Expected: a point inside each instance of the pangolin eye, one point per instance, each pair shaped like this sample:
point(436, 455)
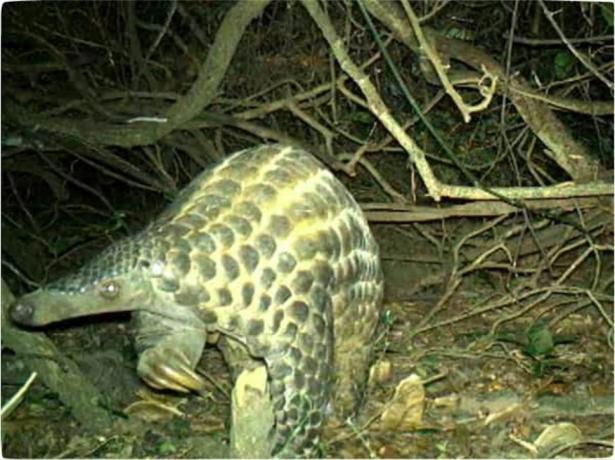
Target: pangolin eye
point(109, 289)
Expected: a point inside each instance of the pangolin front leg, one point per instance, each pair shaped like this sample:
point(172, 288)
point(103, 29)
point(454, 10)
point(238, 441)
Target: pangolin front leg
point(169, 350)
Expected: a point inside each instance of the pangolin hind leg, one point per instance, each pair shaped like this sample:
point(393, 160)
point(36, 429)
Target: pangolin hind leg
point(300, 371)
point(356, 304)
point(352, 359)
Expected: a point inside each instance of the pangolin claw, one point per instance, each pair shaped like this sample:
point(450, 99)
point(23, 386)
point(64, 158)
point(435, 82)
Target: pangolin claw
point(169, 369)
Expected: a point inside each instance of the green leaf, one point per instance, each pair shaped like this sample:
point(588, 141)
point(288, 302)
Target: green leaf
point(607, 12)
point(539, 341)
point(167, 448)
point(563, 63)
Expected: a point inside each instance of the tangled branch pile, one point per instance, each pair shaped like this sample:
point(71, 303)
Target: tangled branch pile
point(478, 137)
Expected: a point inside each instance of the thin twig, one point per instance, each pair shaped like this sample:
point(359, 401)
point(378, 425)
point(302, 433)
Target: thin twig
point(580, 56)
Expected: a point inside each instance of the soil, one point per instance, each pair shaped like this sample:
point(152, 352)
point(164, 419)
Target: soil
point(484, 395)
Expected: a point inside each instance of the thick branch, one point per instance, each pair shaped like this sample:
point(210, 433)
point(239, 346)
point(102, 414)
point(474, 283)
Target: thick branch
point(392, 212)
point(569, 154)
point(200, 95)
point(436, 189)
point(58, 373)
point(214, 68)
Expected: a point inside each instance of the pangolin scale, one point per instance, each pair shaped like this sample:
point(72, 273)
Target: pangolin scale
point(269, 250)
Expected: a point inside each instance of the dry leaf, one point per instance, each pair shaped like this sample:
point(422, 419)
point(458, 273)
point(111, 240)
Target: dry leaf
point(405, 411)
point(152, 411)
point(252, 415)
point(380, 372)
point(556, 436)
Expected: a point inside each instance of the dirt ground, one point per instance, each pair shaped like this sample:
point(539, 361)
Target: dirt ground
point(476, 395)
